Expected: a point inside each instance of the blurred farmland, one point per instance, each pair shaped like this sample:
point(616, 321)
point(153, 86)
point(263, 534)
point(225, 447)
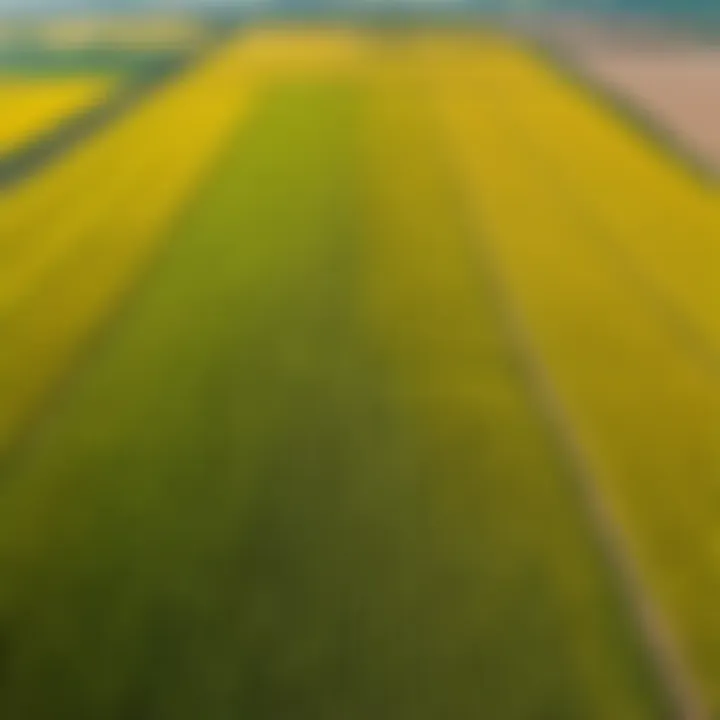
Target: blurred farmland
point(61, 80)
point(354, 371)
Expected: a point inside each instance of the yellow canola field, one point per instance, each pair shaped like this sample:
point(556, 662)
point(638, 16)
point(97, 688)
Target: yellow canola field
point(659, 223)
point(608, 254)
point(30, 107)
point(431, 313)
point(289, 52)
point(73, 238)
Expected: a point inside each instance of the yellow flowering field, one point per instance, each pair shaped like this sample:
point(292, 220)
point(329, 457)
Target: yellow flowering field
point(32, 106)
point(66, 260)
point(357, 372)
point(607, 251)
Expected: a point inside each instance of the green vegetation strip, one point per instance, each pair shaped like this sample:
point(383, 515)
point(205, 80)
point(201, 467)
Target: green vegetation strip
point(302, 478)
point(36, 60)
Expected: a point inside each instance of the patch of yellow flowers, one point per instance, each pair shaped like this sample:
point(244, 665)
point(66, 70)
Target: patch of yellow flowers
point(34, 106)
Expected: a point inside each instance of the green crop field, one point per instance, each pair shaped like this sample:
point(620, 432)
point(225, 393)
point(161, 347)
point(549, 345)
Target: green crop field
point(271, 445)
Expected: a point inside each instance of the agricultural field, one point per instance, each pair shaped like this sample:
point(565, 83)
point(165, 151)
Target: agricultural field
point(106, 241)
point(613, 267)
point(32, 107)
point(355, 373)
point(671, 82)
point(61, 81)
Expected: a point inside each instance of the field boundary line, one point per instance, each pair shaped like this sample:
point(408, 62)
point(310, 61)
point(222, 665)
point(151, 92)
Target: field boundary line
point(668, 664)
